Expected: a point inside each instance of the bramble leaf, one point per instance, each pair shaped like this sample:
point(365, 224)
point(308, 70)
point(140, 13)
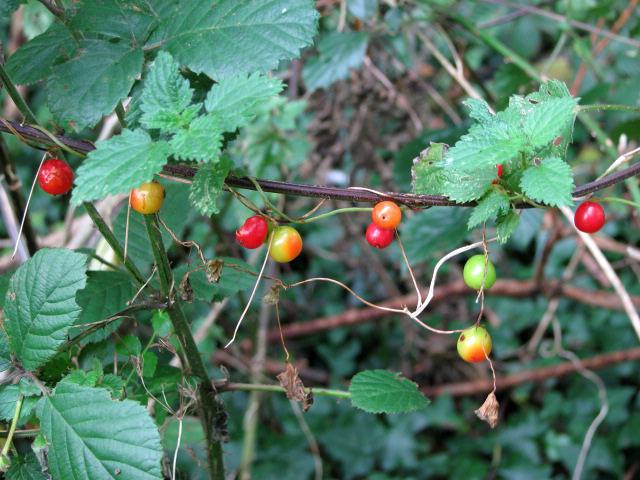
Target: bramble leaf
point(551, 182)
point(506, 225)
point(207, 186)
point(382, 391)
point(489, 207)
point(427, 175)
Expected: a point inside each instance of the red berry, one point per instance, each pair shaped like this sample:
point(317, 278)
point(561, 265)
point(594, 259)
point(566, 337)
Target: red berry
point(499, 167)
point(386, 214)
point(253, 232)
point(379, 237)
point(55, 177)
point(589, 217)
point(286, 244)
point(147, 198)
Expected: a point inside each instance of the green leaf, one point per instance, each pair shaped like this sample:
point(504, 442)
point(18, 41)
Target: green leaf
point(234, 99)
point(119, 164)
point(428, 176)
point(478, 109)
point(489, 207)
point(227, 37)
point(5, 352)
point(382, 391)
point(166, 96)
point(363, 9)
point(506, 225)
point(40, 305)
point(106, 293)
point(9, 397)
point(338, 54)
point(207, 186)
point(25, 468)
point(465, 185)
point(7, 7)
point(35, 59)
point(92, 436)
point(81, 91)
point(114, 19)
point(551, 182)
point(200, 140)
point(549, 120)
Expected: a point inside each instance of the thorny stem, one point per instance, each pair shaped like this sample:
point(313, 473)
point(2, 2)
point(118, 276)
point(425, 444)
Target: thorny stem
point(211, 411)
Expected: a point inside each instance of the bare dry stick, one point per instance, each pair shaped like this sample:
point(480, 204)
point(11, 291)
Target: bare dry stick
point(599, 257)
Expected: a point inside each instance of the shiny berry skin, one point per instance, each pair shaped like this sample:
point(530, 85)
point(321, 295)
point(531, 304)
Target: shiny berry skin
point(286, 244)
point(474, 344)
point(147, 198)
point(253, 232)
point(55, 176)
point(500, 169)
point(386, 215)
point(474, 272)
point(379, 237)
point(589, 217)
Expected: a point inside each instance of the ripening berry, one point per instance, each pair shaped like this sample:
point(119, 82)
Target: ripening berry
point(474, 344)
point(253, 232)
point(386, 215)
point(379, 237)
point(147, 198)
point(55, 176)
point(286, 244)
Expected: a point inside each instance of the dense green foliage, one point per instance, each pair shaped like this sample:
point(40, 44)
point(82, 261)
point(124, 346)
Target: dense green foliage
point(343, 93)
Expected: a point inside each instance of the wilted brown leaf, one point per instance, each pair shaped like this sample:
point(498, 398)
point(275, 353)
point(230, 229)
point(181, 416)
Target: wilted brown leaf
point(294, 388)
point(488, 412)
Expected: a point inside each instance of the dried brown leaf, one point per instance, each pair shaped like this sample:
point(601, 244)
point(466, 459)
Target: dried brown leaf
point(294, 388)
point(489, 410)
point(213, 270)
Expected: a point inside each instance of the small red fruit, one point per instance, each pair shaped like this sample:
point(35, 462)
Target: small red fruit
point(286, 244)
point(474, 344)
point(253, 232)
point(55, 176)
point(499, 173)
point(589, 217)
point(379, 237)
point(386, 215)
point(147, 198)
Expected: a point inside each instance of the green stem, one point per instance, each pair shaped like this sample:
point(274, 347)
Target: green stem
point(113, 242)
point(268, 202)
point(210, 410)
point(16, 97)
point(133, 370)
point(335, 212)
point(12, 428)
point(620, 200)
point(599, 107)
point(121, 114)
point(260, 387)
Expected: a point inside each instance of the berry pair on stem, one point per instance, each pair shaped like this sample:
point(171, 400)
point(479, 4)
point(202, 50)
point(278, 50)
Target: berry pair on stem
point(285, 246)
point(386, 217)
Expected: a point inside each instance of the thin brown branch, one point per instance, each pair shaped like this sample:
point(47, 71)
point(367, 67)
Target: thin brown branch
point(537, 375)
point(506, 288)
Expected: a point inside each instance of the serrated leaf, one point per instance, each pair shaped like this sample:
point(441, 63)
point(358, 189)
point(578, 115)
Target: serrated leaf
point(489, 207)
point(9, 396)
point(92, 436)
point(548, 120)
point(106, 293)
point(427, 174)
point(463, 185)
point(338, 54)
point(81, 91)
point(478, 109)
point(114, 19)
point(35, 59)
point(551, 182)
point(234, 99)
point(227, 37)
point(40, 305)
point(119, 164)
point(382, 391)
point(25, 468)
point(165, 96)
point(200, 140)
point(506, 225)
point(207, 186)
point(5, 352)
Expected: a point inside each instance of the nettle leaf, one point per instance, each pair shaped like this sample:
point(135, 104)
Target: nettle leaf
point(478, 109)
point(207, 186)
point(382, 391)
point(549, 120)
point(5, 351)
point(9, 397)
point(41, 306)
point(234, 99)
point(119, 164)
point(489, 207)
point(427, 174)
point(551, 182)
point(201, 140)
point(506, 225)
point(222, 38)
point(115, 19)
point(89, 86)
point(463, 185)
point(338, 54)
point(26, 468)
point(35, 59)
point(92, 436)
point(166, 95)
point(106, 293)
